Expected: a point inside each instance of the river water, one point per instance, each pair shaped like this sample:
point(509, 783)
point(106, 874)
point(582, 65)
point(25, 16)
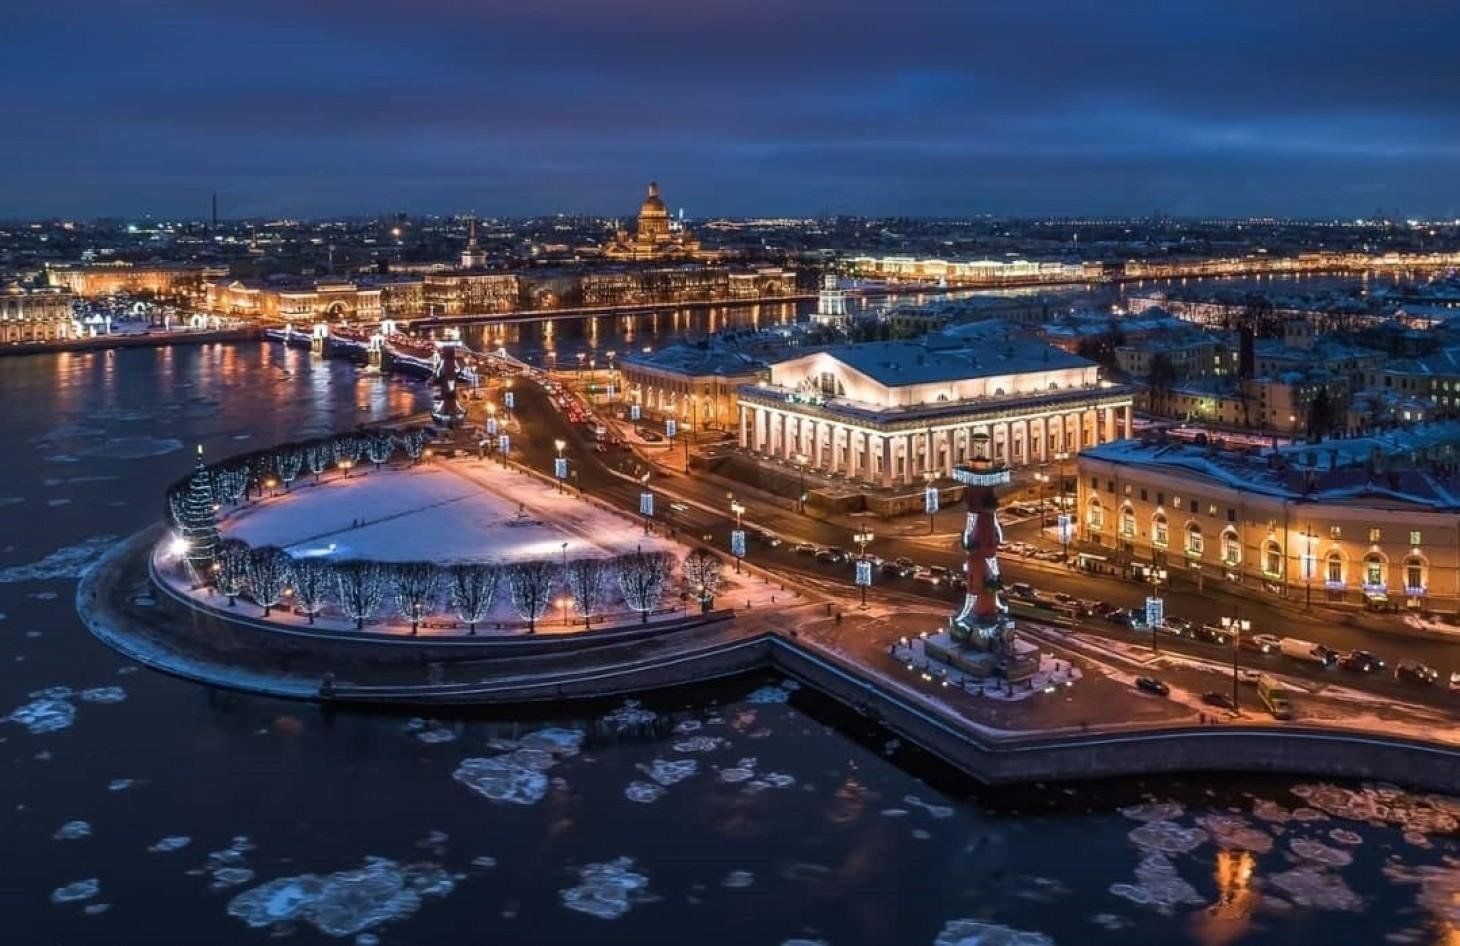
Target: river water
point(136, 808)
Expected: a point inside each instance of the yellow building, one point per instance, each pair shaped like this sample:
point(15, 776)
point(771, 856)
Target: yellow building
point(332, 300)
point(35, 316)
point(161, 279)
point(695, 385)
point(656, 236)
point(1363, 520)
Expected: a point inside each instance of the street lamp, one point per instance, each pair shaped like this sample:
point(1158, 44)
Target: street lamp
point(863, 538)
point(801, 459)
point(1156, 576)
point(1310, 565)
point(1236, 627)
point(560, 465)
point(1043, 480)
point(737, 541)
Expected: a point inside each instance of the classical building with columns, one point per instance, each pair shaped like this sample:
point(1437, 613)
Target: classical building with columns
point(1356, 520)
point(694, 384)
point(894, 412)
point(35, 316)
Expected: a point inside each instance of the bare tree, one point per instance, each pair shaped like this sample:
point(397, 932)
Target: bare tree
point(232, 570)
point(312, 579)
point(318, 455)
point(531, 587)
point(380, 448)
point(642, 577)
point(346, 449)
point(415, 585)
point(287, 463)
point(361, 587)
point(473, 586)
point(587, 581)
point(268, 576)
point(229, 484)
point(413, 442)
point(701, 569)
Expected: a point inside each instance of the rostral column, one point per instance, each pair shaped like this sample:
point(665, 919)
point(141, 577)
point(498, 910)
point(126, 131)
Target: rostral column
point(983, 623)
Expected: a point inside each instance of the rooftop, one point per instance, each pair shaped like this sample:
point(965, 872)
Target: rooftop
point(696, 360)
point(972, 350)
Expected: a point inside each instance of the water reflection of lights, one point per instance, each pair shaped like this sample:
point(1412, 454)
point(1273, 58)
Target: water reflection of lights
point(1228, 919)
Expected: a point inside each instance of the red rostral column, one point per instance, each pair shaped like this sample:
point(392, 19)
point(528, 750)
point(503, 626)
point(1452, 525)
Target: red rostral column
point(984, 620)
point(446, 367)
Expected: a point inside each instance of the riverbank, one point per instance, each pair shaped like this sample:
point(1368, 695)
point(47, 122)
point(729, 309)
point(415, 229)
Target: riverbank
point(150, 340)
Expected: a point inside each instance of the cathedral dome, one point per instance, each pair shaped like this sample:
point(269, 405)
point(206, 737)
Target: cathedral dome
point(652, 205)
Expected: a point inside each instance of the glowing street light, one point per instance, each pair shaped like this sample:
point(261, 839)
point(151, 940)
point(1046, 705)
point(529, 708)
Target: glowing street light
point(863, 538)
point(178, 547)
point(1236, 627)
point(737, 538)
point(801, 461)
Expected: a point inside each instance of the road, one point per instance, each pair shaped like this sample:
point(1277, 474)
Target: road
point(594, 472)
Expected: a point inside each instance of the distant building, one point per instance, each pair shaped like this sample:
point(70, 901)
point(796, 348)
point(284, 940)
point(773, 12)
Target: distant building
point(473, 256)
point(330, 300)
point(470, 293)
point(35, 315)
point(656, 236)
point(831, 303)
point(695, 384)
point(1357, 520)
point(886, 412)
point(160, 279)
point(985, 272)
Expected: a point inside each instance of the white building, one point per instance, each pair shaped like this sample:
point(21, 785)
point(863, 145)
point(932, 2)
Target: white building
point(888, 412)
point(831, 303)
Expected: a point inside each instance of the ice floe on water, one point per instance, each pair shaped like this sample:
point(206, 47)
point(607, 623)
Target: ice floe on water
point(44, 714)
point(68, 562)
point(1111, 921)
point(1320, 853)
point(738, 879)
point(1167, 837)
point(430, 731)
point(1313, 886)
point(562, 743)
point(1439, 888)
point(607, 890)
point(770, 780)
point(43, 595)
point(11, 500)
point(484, 860)
point(979, 933)
point(644, 792)
point(111, 694)
point(630, 715)
point(133, 448)
point(1234, 833)
point(80, 890)
point(518, 775)
point(343, 903)
point(775, 693)
point(1344, 836)
point(1158, 886)
point(173, 842)
point(226, 865)
point(686, 726)
point(120, 784)
point(1154, 811)
point(72, 830)
point(699, 744)
point(668, 772)
point(739, 772)
point(58, 502)
point(936, 811)
point(1420, 814)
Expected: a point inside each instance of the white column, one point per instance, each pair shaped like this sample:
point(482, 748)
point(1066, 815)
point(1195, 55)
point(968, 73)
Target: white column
point(816, 444)
point(907, 458)
point(1125, 424)
point(886, 449)
point(743, 426)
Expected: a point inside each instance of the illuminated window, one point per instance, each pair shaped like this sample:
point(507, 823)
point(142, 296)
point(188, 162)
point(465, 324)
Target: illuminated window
point(1193, 540)
point(1127, 522)
point(1231, 547)
point(1414, 575)
point(1414, 538)
point(1375, 535)
point(1158, 530)
point(1335, 568)
point(1374, 571)
point(1334, 532)
point(1272, 560)
point(1095, 516)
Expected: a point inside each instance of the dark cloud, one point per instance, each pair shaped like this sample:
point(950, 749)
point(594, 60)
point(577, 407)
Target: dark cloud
point(1311, 107)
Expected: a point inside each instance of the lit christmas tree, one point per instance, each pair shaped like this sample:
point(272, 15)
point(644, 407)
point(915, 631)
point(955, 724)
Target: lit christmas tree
point(199, 523)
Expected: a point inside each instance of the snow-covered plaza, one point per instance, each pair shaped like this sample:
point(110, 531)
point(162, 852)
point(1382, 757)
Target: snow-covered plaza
point(464, 511)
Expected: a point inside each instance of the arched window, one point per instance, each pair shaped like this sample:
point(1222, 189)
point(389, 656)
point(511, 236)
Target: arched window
point(1374, 571)
point(1194, 544)
point(1231, 548)
point(1095, 515)
point(1335, 568)
point(1159, 535)
point(1414, 575)
point(1272, 560)
point(1127, 521)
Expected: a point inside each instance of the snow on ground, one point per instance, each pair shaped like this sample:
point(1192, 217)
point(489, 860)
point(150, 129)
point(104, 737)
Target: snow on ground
point(467, 511)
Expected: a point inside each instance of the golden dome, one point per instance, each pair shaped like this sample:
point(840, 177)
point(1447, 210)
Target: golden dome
point(652, 205)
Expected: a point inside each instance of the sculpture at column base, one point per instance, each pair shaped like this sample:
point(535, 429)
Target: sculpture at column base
point(981, 639)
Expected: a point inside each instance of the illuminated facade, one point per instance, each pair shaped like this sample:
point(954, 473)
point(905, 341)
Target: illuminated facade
point(331, 300)
point(894, 412)
point(656, 236)
point(105, 279)
point(470, 293)
point(696, 386)
point(671, 284)
point(39, 316)
point(1354, 520)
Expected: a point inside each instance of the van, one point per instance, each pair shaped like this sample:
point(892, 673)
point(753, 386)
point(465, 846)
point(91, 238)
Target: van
point(1274, 697)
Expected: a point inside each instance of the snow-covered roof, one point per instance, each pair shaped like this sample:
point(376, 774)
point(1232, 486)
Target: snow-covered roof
point(696, 361)
point(973, 350)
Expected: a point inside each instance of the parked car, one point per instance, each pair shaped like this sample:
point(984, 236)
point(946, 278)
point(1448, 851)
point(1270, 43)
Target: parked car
point(679, 507)
point(806, 548)
point(1412, 671)
point(1177, 627)
point(650, 437)
point(837, 554)
point(1261, 643)
point(1121, 617)
point(1023, 591)
point(935, 574)
point(827, 556)
point(1215, 698)
point(1455, 680)
point(1213, 634)
point(767, 538)
point(891, 568)
point(1152, 685)
point(905, 565)
point(1360, 660)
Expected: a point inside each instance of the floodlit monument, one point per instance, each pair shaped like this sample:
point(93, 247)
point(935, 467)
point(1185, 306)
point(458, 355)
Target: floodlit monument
point(980, 639)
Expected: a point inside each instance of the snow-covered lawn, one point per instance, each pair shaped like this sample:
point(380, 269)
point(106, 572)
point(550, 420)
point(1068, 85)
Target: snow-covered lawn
point(452, 511)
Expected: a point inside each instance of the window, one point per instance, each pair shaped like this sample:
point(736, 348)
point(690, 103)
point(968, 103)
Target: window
point(1335, 568)
point(1127, 521)
point(1212, 510)
point(1110, 486)
point(1094, 482)
point(1160, 499)
point(1193, 507)
point(1231, 514)
point(1158, 530)
point(1193, 540)
point(828, 385)
point(1414, 538)
point(1414, 576)
point(1143, 495)
point(1231, 547)
point(1376, 535)
point(1095, 516)
point(1334, 532)
point(1374, 571)
point(1272, 560)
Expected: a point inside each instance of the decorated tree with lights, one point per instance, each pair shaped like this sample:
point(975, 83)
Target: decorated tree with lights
point(642, 577)
point(319, 456)
point(414, 585)
point(346, 449)
point(701, 569)
point(196, 520)
point(531, 587)
point(413, 442)
point(313, 579)
point(587, 580)
point(232, 570)
point(360, 588)
point(268, 575)
point(380, 448)
point(473, 585)
point(229, 484)
point(287, 463)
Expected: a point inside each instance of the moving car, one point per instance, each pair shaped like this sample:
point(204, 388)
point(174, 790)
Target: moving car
point(806, 548)
point(1177, 627)
point(1361, 660)
point(827, 556)
point(1214, 634)
point(1215, 698)
point(1412, 671)
point(1023, 591)
point(767, 538)
point(1261, 643)
point(1152, 685)
point(679, 506)
point(1308, 651)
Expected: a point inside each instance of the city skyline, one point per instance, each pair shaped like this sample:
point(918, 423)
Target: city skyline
point(1294, 110)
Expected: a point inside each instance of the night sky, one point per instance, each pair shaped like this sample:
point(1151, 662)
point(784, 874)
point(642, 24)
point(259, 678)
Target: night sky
point(1323, 108)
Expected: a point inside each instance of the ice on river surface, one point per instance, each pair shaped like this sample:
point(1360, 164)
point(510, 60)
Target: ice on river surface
point(346, 902)
point(67, 562)
point(1158, 885)
point(667, 772)
point(72, 830)
point(606, 890)
point(1167, 837)
point(80, 890)
point(979, 933)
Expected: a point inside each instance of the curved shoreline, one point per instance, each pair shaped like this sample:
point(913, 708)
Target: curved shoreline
point(205, 647)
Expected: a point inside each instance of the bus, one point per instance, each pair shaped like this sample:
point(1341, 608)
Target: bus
point(1274, 697)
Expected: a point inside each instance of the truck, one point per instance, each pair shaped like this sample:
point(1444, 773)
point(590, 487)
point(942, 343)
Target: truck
point(1306, 650)
point(1274, 697)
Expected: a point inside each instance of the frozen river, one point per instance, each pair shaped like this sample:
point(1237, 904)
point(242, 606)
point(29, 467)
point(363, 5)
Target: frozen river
point(140, 809)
